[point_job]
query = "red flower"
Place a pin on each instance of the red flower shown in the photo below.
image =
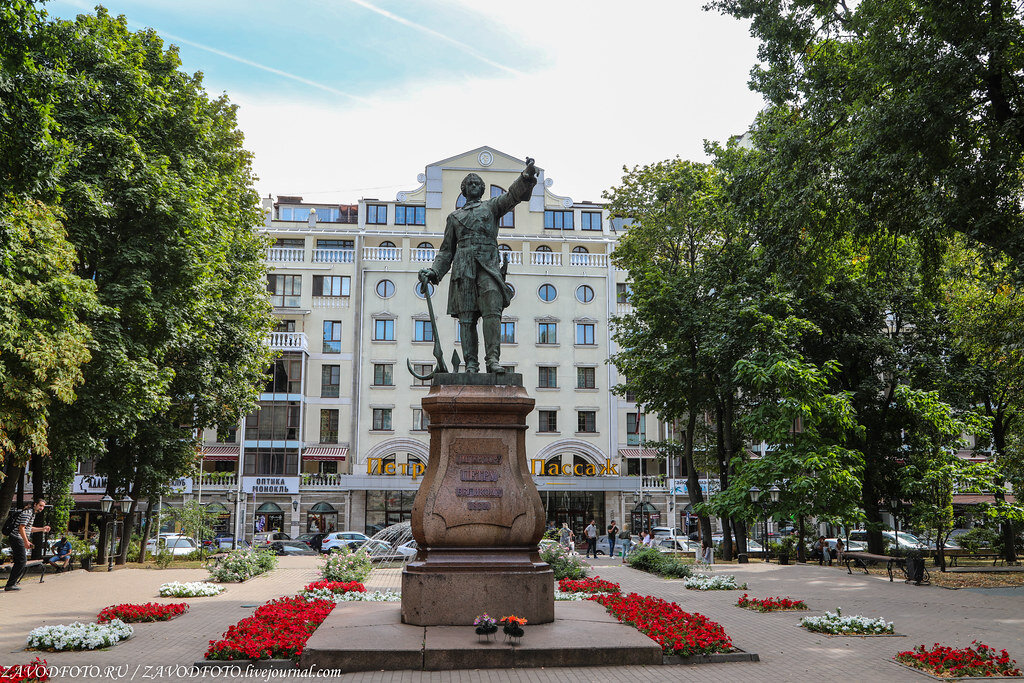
(770, 604)
(150, 611)
(337, 587)
(36, 672)
(665, 623)
(978, 661)
(594, 585)
(277, 630)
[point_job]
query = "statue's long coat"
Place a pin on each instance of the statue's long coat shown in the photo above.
(470, 248)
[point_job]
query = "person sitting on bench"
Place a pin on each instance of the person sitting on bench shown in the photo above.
(62, 559)
(821, 551)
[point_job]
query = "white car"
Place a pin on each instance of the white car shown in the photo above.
(176, 543)
(851, 546)
(676, 545)
(902, 539)
(336, 540)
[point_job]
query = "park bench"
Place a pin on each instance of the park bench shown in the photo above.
(6, 568)
(953, 556)
(863, 559)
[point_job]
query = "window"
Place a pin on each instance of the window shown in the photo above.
(385, 289)
(381, 419)
(558, 220)
(284, 376)
(509, 219)
(584, 294)
(408, 215)
(423, 332)
(330, 381)
(271, 461)
(384, 508)
(586, 421)
(285, 290)
(636, 428)
(547, 377)
(508, 332)
(387, 244)
(585, 334)
(418, 288)
(346, 213)
(273, 421)
(511, 290)
(332, 285)
(547, 333)
(547, 292)
(586, 378)
(422, 369)
(293, 213)
(332, 336)
(383, 330)
(548, 420)
(227, 434)
(335, 244)
(287, 243)
(383, 375)
(420, 420)
(377, 214)
(329, 426)
(622, 292)
(284, 326)
(590, 220)
(504, 248)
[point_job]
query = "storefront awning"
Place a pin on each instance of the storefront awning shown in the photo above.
(220, 453)
(325, 453)
(638, 452)
(976, 498)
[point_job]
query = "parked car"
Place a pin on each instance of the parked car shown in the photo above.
(667, 531)
(283, 548)
(312, 539)
(381, 551)
(853, 546)
(902, 539)
(268, 537)
(337, 539)
(176, 543)
(677, 545)
(602, 545)
(409, 548)
(224, 544)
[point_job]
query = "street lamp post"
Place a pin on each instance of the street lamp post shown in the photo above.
(232, 497)
(106, 505)
(755, 498)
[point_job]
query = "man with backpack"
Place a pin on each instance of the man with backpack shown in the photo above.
(17, 529)
(613, 532)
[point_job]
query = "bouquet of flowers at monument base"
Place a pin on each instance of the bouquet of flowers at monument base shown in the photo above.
(486, 626)
(513, 627)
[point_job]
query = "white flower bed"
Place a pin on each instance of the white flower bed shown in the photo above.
(836, 624)
(375, 596)
(559, 595)
(78, 636)
(721, 582)
(192, 589)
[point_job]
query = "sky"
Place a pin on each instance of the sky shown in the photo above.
(347, 99)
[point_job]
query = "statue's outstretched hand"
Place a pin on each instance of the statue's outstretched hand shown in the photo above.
(530, 170)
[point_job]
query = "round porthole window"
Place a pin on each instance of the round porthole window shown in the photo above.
(418, 288)
(584, 294)
(547, 292)
(385, 289)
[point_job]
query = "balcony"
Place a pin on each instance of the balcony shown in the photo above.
(289, 341)
(623, 309)
(515, 258)
(331, 301)
(321, 482)
(423, 255)
(334, 255)
(545, 258)
(382, 253)
(216, 482)
(594, 260)
(286, 255)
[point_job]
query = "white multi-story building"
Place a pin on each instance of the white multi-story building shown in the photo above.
(339, 439)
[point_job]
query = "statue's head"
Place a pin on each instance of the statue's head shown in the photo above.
(472, 187)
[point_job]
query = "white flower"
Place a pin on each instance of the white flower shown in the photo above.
(79, 636)
(375, 596)
(703, 582)
(834, 623)
(192, 589)
(559, 595)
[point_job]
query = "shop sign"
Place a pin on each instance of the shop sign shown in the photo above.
(89, 483)
(707, 487)
(554, 469)
(181, 485)
(271, 484)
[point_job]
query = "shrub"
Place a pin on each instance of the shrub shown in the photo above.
(656, 562)
(346, 566)
(242, 564)
(564, 565)
(163, 558)
(978, 538)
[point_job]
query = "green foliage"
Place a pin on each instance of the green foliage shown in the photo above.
(656, 562)
(977, 539)
(564, 565)
(346, 565)
(80, 549)
(163, 558)
(196, 520)
(242, 564)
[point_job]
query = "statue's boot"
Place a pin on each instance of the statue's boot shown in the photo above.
(470, 342)
(492, 342)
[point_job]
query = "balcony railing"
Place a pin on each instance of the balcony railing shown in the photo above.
(289, 341)
(423, 255)
(654, 483)
(331, 301)
(545, 258)
(623, 309)
(597, 260)
(382, 253)
(286, 255)
(334, 255)
(217, 482)
(515, 258)
(320, 482)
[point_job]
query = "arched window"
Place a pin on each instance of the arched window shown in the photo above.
(387, 244)
(544, 256)
(322, 518)
(424, 245)
(504, 247)
(268, 517)
(579, 257)
(509, 219)
(544, 248)
(547, 292)
(222, 523)
(580, 250)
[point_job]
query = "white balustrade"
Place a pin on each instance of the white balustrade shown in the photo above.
(545, 258)
(289, 341)
(320, 482)
(213, 481)
(331, 301)
(286, 255)
(334, 255)
(623, 309)
(382, 253)
(423, 255)
(515, 258)
(596, 260)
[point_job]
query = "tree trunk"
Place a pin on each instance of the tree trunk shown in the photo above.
(692, 480)
(723, 477)
(150, 507)
(999, 425)
(940, 554)
(740, 527)
(38, 477)
(873, 515)
(801, 555)
(12, 475)
(102, 541)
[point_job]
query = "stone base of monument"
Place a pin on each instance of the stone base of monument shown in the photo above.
(371, 637)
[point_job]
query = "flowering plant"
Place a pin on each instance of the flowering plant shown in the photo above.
(375, 596)
(331, 590)
(36, 672)
(594, 585)
(346, 566)
(242, 564)
(678, 632)
(703, 582)
(78, 636)
(979, 661)
(278, 629)
(835, 623)
(191, 589)
(770, 604)
(485, 624)
(149, 611)
(513, 626)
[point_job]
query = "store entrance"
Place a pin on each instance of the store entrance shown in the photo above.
(574, 508)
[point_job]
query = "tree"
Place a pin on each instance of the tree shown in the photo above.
(914, 108)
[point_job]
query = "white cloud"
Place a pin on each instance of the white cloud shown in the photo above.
(621, 85)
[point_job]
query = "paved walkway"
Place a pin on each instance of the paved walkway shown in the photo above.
(788, 653)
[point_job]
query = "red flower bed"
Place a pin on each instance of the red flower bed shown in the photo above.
(770, 604)
(979, 661)
(337, 587)
(36, 672)
(678, 632)
(277, 630)
(594, 585)
(150, 611)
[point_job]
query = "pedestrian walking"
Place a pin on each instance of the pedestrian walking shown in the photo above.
(20, 545)
(613, 531)
(591, 533)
